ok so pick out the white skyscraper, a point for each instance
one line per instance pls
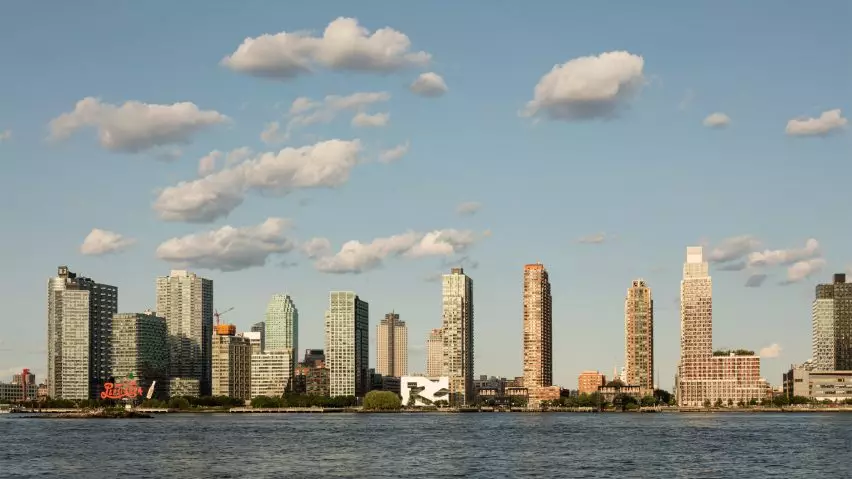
(281, 327)
(185, 300)
(457, 333)
(79, 335)
(347, 343)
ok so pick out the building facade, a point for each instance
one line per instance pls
(704, 376)
(435, 353)
(255, 339)
(311, 378)
(20, 389)
(392, 346)
(271, 373)
(424, 392)
(538, 327)
(232, 356)
(260, 328)
(186, 301)
(281, 325)
(347, 343)
(832, 325)
(835, 386)
(457, 334)
(589, 381)
(140, 347)
(79, 333)
(639, 337)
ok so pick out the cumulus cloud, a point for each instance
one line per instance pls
(828, 122)
(325, 164)
(5, 135)
(100, 242)
(598, 238)
(344, 46)
(784, 256)
(135, 126)
(588, 87)
(316, 248)
(802, 270)
(272, 134)
(228, 248)
(771, 351)
(395, 153)
(207, 164)
(355, 257)
(429, 85)
(365, 120)
(731, 249)
(755, 280)
(717, 120)
(468, 208)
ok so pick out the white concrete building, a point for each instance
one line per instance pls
(457, 333)
(418, 391)
(271, 373)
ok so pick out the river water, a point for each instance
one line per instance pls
(431, 445)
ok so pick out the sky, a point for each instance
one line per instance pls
(372, 147)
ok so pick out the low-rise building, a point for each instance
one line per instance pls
(17, 391)
(818, 385)
(616, 388)
(419, 391)
(311, 378)
(589, 381)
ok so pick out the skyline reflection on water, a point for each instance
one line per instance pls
(430, 445)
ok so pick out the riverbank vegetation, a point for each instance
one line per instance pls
(302, 400)
(382, 401)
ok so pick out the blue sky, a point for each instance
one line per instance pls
(619, 147)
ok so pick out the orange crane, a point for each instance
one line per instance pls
(216, 314)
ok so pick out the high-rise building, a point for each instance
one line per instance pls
(392, 346)
(639, 337)
(705, 376)
(538, 327)
(232, 356)
(140, 347)
(435, 354)
(281, 327)
(260, 328)
(79, 335)
(457, 333)
(186, 301)
(255, 339)
(832, 326)
(347, 343)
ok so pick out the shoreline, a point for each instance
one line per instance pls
(148, 412)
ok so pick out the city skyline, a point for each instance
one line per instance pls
(720, 154)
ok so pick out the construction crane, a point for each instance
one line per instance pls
(216, 314)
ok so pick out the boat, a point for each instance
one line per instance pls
(5, 408)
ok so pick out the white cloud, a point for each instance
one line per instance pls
(802, 270)
(366, 120)
(5, 135)
(468, 208)
(717, 120)
(325, 164)
(733, 248)
(135, 126)
(771, 351)
(100, 242)
(588, 87)
(228, 248)
(316, 248)
(784, 256)
(343, 46)
(828, 122)
(429, 84)
(395, 153)
(207, 164)
(594, 239)
(356, 257)
(273, 135)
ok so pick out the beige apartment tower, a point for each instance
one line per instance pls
(538, 327)
(457, 334)
(435, 353)
(231, 363)
(392, 346)
(639, 337)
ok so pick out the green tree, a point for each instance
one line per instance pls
(707, 403)
(718, 403)
(382, 401)
(662, 396)
(730, 402)
(180, 403)
(648, 401)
